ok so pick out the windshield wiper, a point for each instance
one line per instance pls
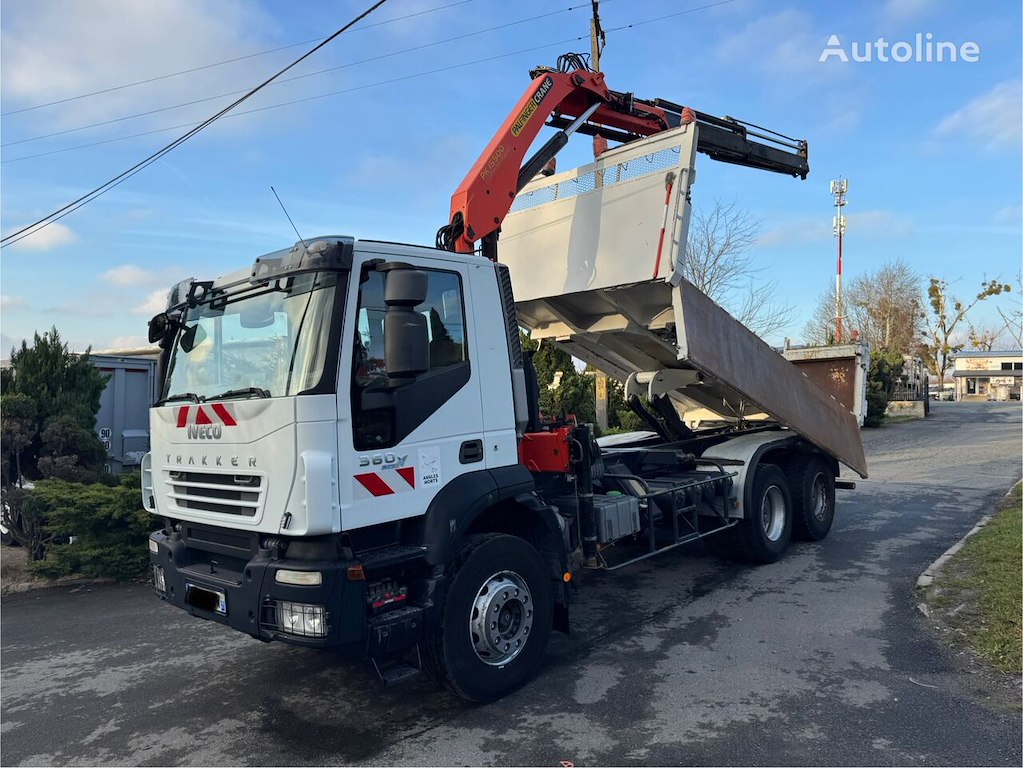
(243, 392)
(190, 396)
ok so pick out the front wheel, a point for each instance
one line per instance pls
(496, 621)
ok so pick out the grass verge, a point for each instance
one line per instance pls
(980, 590)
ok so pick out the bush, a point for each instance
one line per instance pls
(885, 369)
(107, 523)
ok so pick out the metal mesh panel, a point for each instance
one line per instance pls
(613, 174)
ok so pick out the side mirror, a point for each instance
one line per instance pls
(406, 334)
(193, 336)
(160, 326)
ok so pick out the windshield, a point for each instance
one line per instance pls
(272, 341)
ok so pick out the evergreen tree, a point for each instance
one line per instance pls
(64, 389)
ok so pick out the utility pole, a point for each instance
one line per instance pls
(839, 188)
(596, 37)
(597, 41)
(599, 146)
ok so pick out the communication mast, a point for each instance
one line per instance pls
(839, 188)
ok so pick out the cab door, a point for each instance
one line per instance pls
(404, 440)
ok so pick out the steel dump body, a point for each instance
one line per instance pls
(590, 271)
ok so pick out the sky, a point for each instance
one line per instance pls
(378, 128)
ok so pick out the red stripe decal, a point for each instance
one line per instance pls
(201, 417)
(182, 416)
(408, 474)
(225, 415)
(373, 483)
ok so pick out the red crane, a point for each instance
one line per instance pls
(576, 98)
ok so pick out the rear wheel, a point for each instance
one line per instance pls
(496, 621)
(765, 530)
(813, 498)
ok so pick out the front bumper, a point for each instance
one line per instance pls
(252, 593)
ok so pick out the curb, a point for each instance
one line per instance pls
(927, 578)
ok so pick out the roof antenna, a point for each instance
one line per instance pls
(300, 238)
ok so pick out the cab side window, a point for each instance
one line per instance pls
(383, 415)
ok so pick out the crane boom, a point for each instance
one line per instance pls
(574, 98)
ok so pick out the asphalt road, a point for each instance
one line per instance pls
(819, 659)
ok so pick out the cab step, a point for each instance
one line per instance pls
(389, 557)
(395, 671)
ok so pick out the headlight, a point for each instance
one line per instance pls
(154, 547)
(301, 619)
(158, 580)
(301, 578)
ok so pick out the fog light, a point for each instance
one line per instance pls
(154, 547)
(302, 578)
(301, 619)
(158, 580)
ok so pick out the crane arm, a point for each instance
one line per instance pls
(575, 98)
(484, 197)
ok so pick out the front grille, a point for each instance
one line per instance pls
(221, 493)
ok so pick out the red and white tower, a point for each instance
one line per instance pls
(839, 188)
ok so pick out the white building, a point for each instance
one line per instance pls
(994, 375)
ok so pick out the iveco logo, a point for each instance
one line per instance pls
(201, 425)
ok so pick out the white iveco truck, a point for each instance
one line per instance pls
(349, 453)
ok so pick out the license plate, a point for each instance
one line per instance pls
(206, 599)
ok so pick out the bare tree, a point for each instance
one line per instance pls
(883, 307)
(984, 339)
(886, 307)
(820, 328)
(718, 262)
(947, 312)
(1013, 318)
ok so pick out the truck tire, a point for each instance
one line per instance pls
(812, 484)
(505, 578)
(764, 532)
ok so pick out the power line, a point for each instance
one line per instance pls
(302, 76)
(74, 205)
(83, 200)
(101, 142)
(668, 16)
(391, 81)
(222, 63)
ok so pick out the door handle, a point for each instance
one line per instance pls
(471, 452)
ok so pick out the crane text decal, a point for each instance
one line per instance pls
(494, 161)
(531, 107)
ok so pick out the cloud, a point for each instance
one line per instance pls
(87, 308)
(994, 118)
(55, 50)
(11, 303)
(126, 342)
(129, 274)
(1010, 214)
(904, 10)
(781, 43)
(46, 238)
(881, 225)
(7, 343)
(155, 303)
